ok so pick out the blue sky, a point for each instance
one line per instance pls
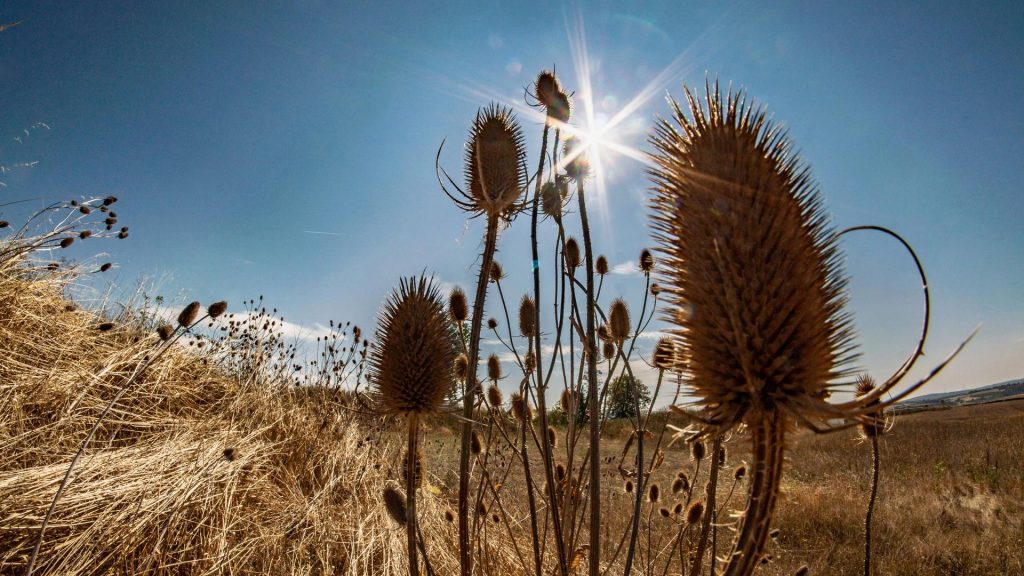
(287, 149)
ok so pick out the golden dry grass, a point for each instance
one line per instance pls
(300, 490)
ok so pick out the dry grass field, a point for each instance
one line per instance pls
(201, 470)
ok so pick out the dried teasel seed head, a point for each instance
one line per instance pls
(84, 209)
(529, 362)
(165, 332)
(495, 162)
(449, 516)
(481, 508)
(552, 437)
(552, 195)
(601, 265)
(546, 88)
(739, 472)
(655, 289)
(604, 333)
(571, 253)
(217, 308)
(109, 200)
(476, 444)
(105, 327)
(678, 508)
(628, 487)
(189, 314)
(680, 484)
(67, 242)
(497, 273)
(561, 110)
(653, 493)
(84, 234)
(122, 234)
(560, 472)
(521, 409)
(494, 397)
(697, 450)
(737, 213)
(565, 402)
(527, 317)
(493, 367)
(694, 512)
(664, 354)
(458, 307)
(618, 320)
(394, 503)
(576, 164)
(874, 423)
(106, 266)
(412, 358)
(4, 224)
(608, 350)
(461, 367)
(646, 261)
(492, 323)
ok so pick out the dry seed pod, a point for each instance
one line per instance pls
(664, 512)
(189, 314)
(559, 471)
(521, 409)
(576, 164)
(476, 445)
(571, 252)
(552, 437)
(697, 450)
(494, 397)
(601, 265)
(492, 323)
(873, 424)
(495, 162)
(546, 89)
(694, 512)
(67, 242)
(529, 362)
(527, 317)
(680, 484)
(664, 354)
(412, 358)
(566, 401)
(457, 305)
(497, 273)
(646, 261)
(562, 108)
(494, 367)
(653, 493)
(618, 320)
(608, 350)
(552, 197)
(604, 333)
(739, 472)
(165, 332)
(655, 289)
(461, 367)
(216, 309)
(394, 502)
(449, 516)
(678, 509)
(628, 487)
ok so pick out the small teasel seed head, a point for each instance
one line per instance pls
(874, 423)
(560, 472)
(566, 401)
(577, 166)
(739, 472)
(449, 516)
(492, 323)
(481, 508)
(165, 332)
(189, 314)
(520, 408)
(655, 289)
(476, 445)
(601, 265)
(106, 326)
(678, 508)
(495, 165)
(494, 367)
(608, 350)
(461, 367)
(628, 487)
(106, 266)
(618, 320)
(571, 252)
(497, 273)
(546, 88)
(84, 234)
(494, 397)
(697, 450)
(604, 333)
(122, 234)
(552, 437)
(529, 362)
(217, 308)
(67, 242)
(412, 357)
(394, 502)
(664, 354)
(527, 317)
(551, 199)
(561, 110)
(457, 305)
(109, 200)
(646, 261)
(653, 493)
(679, 485)
(4, 224)
(694, 512)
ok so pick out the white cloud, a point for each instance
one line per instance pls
(629, 268)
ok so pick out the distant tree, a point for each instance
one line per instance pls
(623, 394)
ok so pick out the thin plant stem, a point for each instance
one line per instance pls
(410, 493)
(871, 506)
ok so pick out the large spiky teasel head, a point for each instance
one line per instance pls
(495, 166)
(412, 358)
(752, 269)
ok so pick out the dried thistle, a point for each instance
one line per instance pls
(412, 358)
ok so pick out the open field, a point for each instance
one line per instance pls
(203, 470)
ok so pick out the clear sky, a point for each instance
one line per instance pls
(287, 148)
